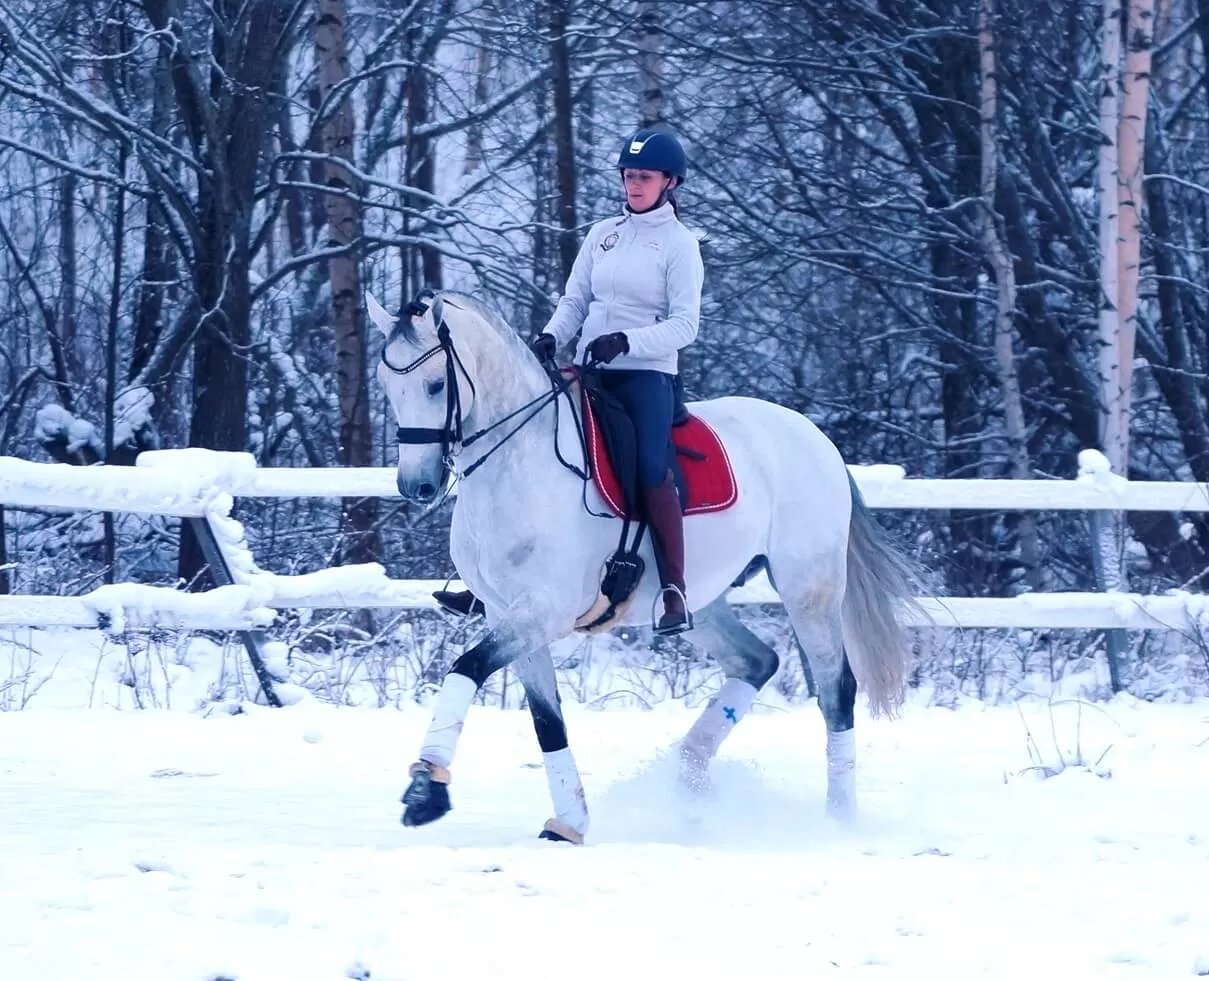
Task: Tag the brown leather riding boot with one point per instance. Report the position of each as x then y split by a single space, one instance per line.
463 603
667 534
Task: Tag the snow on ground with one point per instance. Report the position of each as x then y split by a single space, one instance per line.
160 845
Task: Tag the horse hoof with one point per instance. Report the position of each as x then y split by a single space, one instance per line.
557 831
427 796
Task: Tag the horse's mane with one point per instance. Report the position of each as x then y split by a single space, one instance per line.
465 301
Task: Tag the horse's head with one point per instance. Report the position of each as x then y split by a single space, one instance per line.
429 388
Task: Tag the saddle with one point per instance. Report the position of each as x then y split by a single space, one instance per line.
704 477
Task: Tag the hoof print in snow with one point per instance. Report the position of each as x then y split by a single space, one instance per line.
1045 772
357 972
170 772
938 852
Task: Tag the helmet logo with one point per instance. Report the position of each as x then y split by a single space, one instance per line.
637 145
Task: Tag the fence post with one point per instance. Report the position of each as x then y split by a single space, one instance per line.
253 640
1106 532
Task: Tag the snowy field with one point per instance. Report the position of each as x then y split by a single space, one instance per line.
170 846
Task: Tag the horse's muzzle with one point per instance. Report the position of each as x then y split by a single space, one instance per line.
420 491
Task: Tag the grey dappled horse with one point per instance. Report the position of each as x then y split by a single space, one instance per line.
472 402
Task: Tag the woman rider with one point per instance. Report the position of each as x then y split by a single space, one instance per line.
634 298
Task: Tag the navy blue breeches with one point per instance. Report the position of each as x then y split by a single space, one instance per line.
649 399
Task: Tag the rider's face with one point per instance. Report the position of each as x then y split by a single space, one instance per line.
643 187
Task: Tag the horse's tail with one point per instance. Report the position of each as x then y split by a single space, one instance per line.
879 580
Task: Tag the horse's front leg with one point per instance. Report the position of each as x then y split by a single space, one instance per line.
427 796
570 821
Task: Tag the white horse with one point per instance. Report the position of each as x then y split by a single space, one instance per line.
472 402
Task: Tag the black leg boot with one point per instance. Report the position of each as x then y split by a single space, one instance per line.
463 603
667 534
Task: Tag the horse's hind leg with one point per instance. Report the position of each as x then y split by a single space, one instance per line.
820 638
747 662
812 591
570 821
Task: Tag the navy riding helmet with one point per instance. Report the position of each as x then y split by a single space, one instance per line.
654 149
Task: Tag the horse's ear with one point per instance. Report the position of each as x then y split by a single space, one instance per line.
377 313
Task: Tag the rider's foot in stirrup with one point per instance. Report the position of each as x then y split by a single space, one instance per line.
462 603
677 618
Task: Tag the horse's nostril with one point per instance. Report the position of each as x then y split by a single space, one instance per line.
426 491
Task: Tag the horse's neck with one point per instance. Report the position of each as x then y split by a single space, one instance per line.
504 383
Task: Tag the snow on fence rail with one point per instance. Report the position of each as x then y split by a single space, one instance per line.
202 484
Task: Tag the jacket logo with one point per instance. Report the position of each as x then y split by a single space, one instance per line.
610 241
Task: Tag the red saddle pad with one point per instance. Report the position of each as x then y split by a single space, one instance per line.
708 475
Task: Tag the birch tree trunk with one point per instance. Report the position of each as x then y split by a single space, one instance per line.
650 67
1108 527
344 229
1000 260
1131 150
1110 225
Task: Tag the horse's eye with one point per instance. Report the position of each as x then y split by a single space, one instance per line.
436 387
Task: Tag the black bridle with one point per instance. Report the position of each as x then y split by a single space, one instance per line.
452 434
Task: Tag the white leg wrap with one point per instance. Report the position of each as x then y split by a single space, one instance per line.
841 774
457 692
718 718
566 790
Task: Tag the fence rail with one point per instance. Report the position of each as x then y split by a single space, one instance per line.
201 485
188 479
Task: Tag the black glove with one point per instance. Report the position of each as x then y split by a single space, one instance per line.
605 349
544 346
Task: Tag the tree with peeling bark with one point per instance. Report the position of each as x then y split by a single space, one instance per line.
1131 156
652 84
1114 417
342 204
1003 268
1123 116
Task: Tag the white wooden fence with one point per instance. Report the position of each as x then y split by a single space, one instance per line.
201 484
